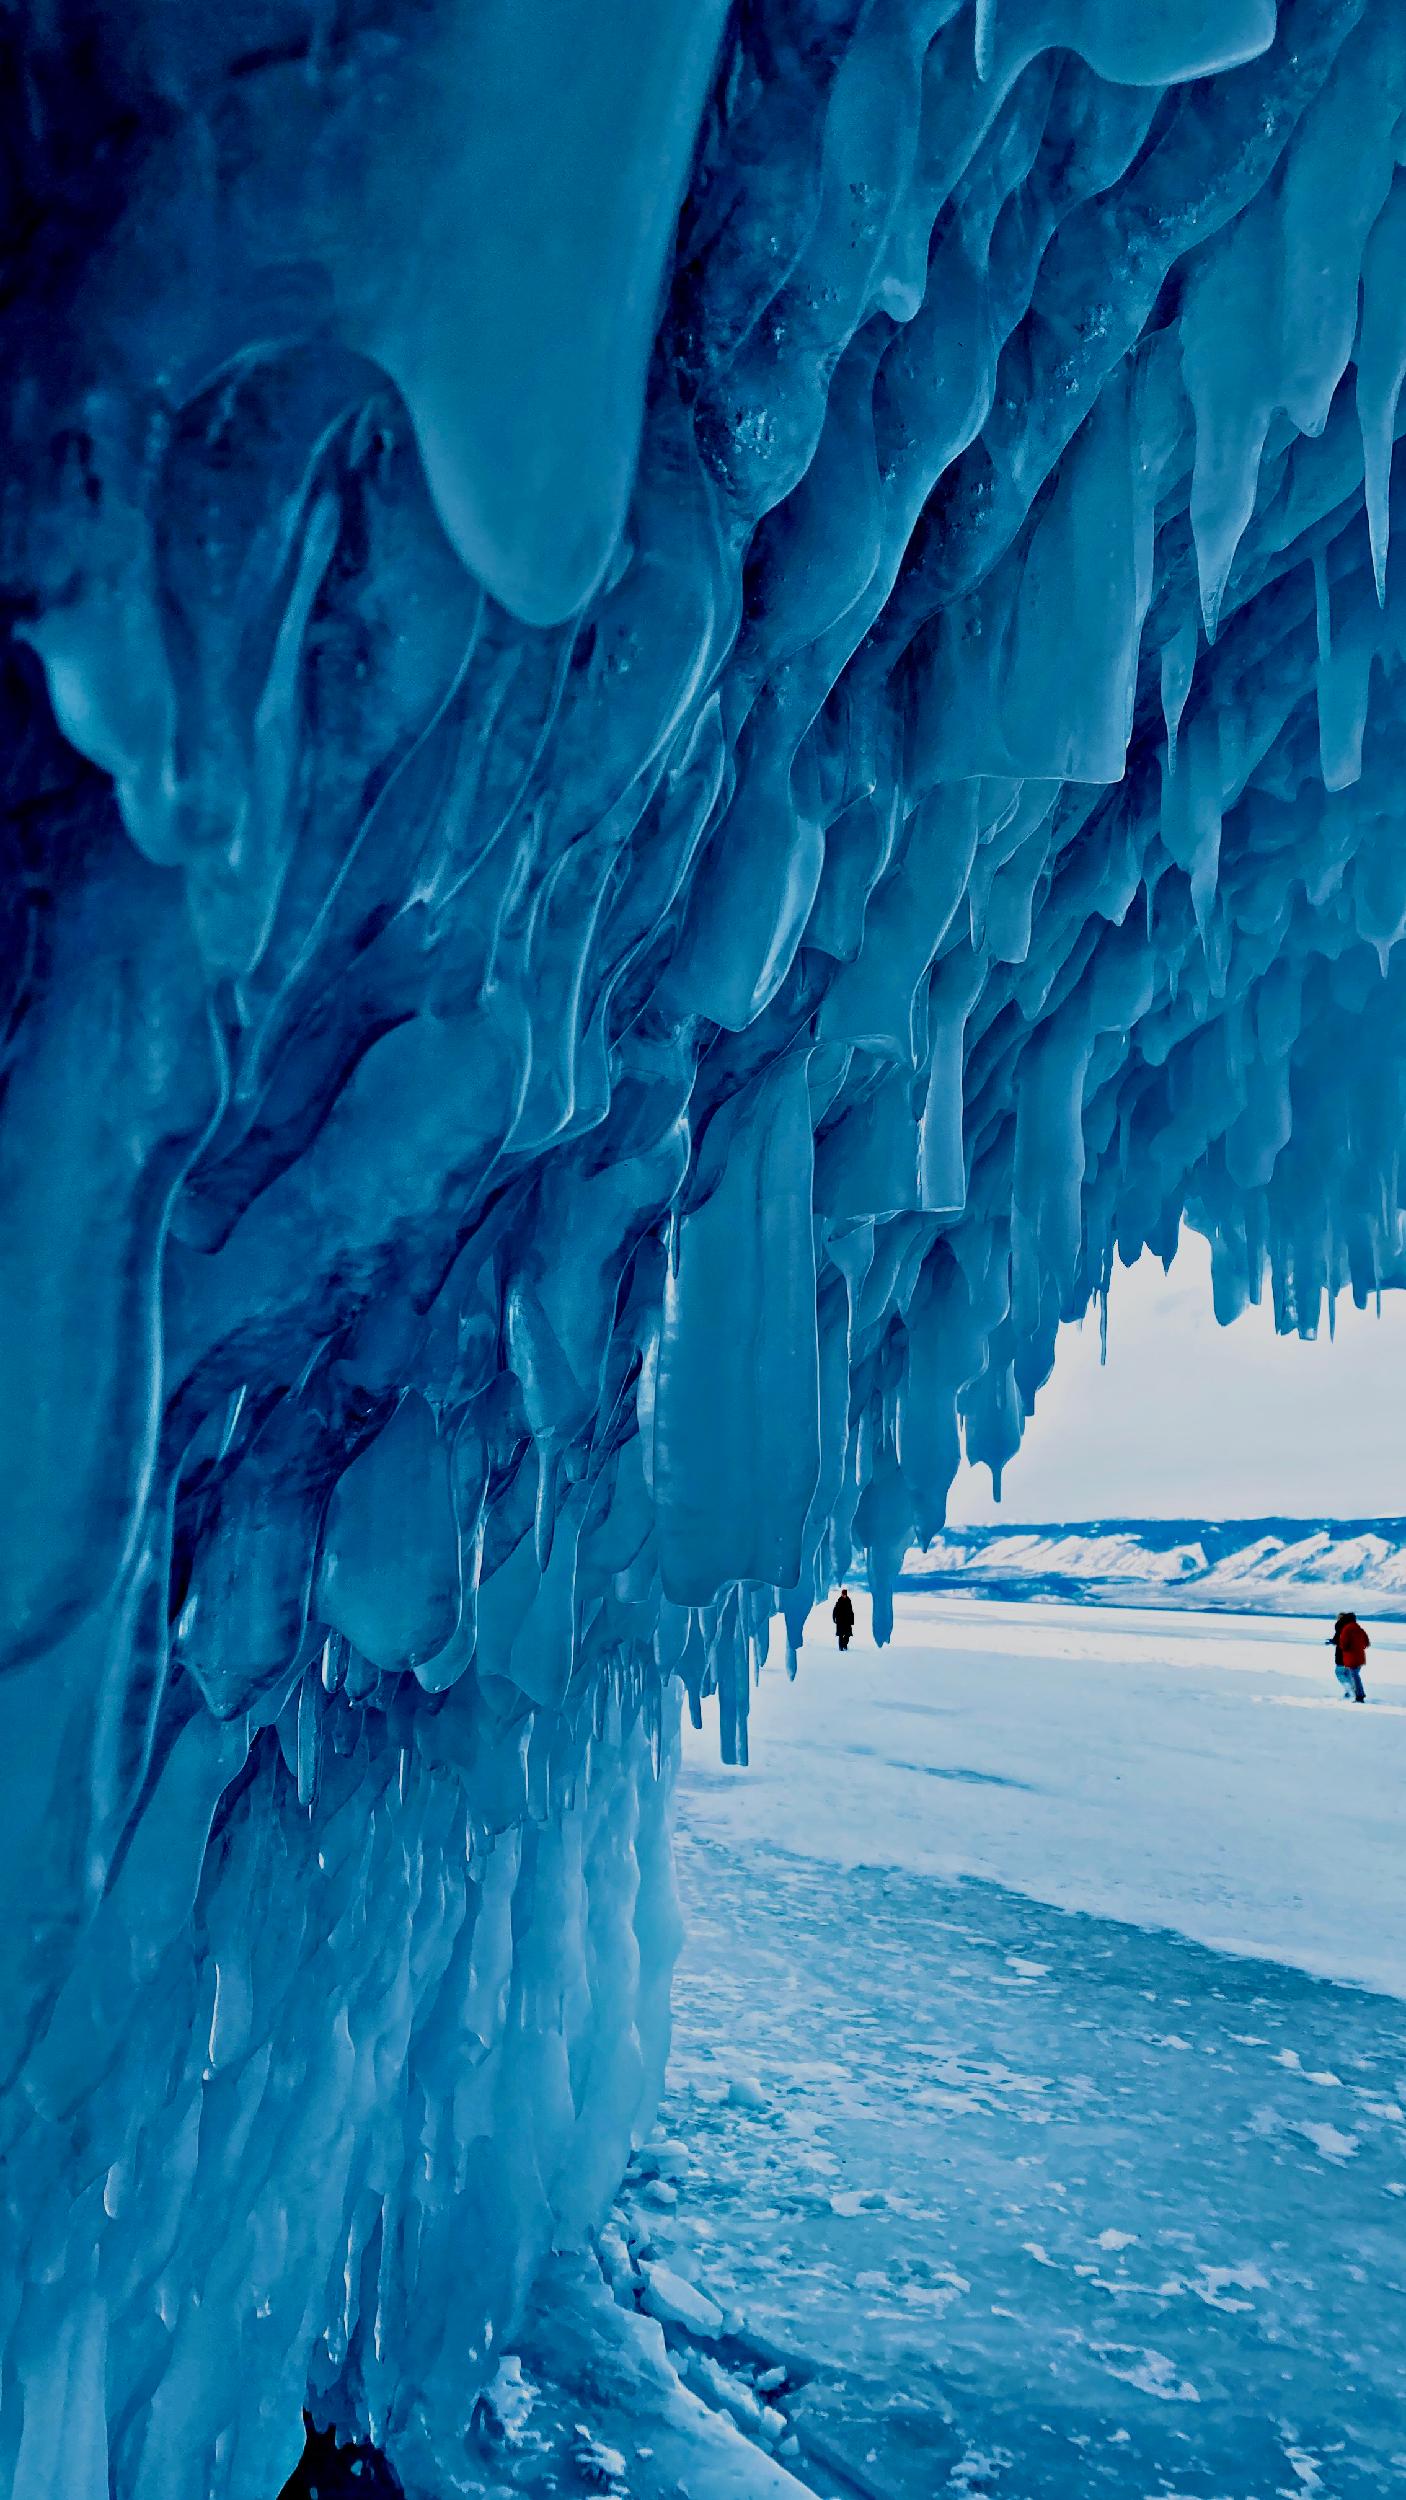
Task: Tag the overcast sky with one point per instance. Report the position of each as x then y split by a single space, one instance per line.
1189 1420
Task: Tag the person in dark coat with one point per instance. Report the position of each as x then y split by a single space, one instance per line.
1349 1644
842 1613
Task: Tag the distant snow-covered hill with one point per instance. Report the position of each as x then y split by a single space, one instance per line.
1287 1566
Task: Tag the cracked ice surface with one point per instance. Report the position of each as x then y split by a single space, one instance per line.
633 847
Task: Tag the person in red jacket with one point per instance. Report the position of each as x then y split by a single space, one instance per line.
1349 1644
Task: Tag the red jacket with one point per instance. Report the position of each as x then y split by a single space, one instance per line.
1353 1645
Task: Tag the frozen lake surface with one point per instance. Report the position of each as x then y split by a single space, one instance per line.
1197 1772
1009 2055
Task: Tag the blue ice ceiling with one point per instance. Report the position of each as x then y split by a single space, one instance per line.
697 701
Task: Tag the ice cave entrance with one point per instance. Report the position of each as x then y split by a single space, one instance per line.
1179 1418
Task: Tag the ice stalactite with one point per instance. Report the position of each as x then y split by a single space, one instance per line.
696 705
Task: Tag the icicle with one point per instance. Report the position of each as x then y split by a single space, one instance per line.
1178 668
309 1740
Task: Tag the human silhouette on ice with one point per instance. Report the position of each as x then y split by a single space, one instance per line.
1349 1645
843 1614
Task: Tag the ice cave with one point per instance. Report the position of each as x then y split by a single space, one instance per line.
699 703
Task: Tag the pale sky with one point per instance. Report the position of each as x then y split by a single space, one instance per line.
1191 1421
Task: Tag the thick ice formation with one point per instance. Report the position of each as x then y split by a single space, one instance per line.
619 889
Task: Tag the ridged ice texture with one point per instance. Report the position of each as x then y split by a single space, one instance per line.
619 887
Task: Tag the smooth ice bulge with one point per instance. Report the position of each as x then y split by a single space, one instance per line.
696 705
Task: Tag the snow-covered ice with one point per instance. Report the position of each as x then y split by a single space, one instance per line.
1067 2206
668 2297
1194 1772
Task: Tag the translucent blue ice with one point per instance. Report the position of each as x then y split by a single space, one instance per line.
699 704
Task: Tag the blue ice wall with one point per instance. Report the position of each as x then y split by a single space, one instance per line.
696 704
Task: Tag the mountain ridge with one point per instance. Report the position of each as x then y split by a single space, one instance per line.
1274 1563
